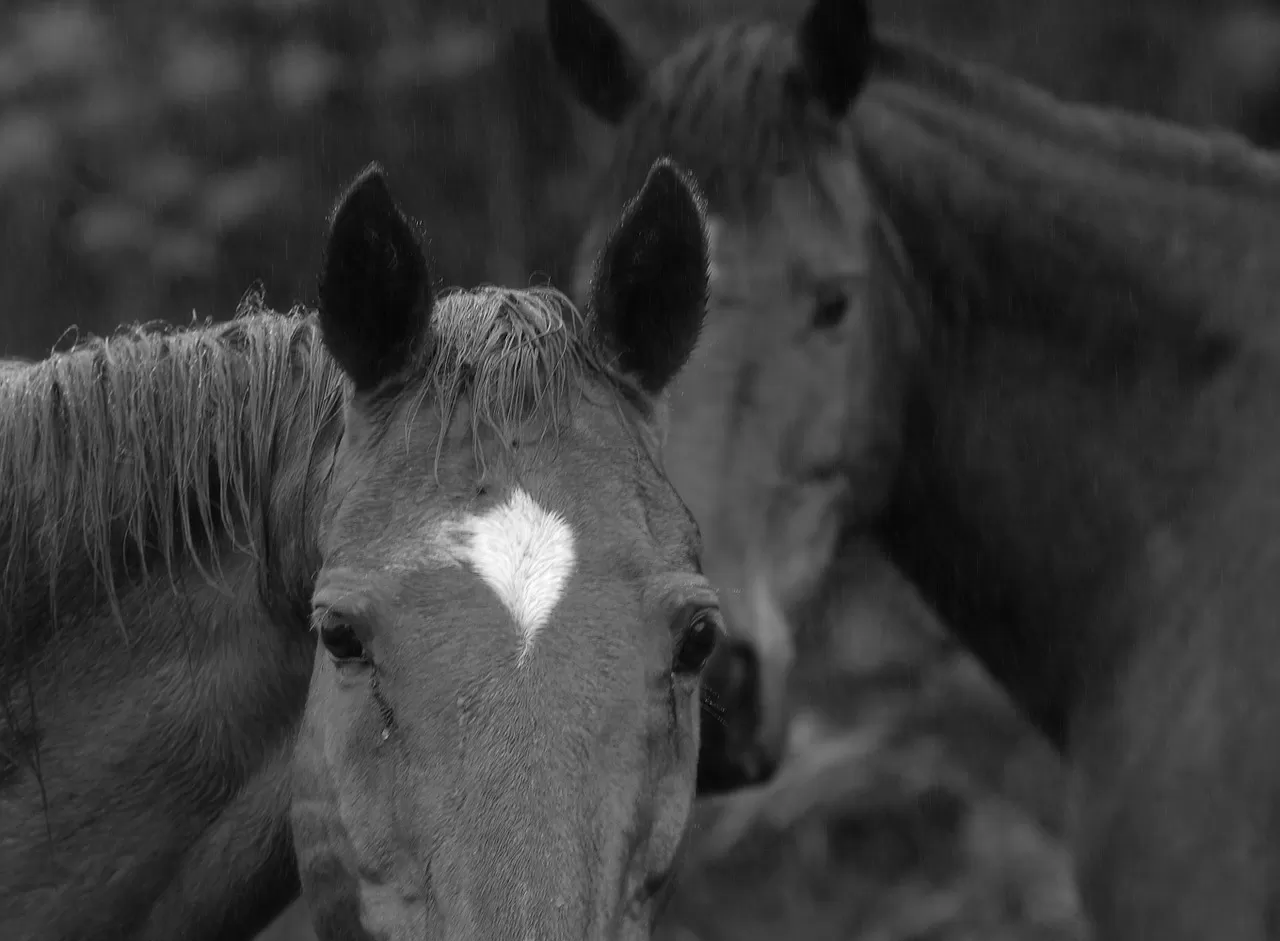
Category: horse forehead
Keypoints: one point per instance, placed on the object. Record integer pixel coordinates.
(523, 552)
(819, 217)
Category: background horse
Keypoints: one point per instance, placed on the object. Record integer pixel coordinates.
(1024, 347)
(439, 523)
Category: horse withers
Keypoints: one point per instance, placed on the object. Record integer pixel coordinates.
(1027, 350)
(436, 521)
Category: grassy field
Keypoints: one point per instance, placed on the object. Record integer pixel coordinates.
(158, 158)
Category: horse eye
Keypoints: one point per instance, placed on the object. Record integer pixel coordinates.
(696, 643)
(829, 310)
(341, 642)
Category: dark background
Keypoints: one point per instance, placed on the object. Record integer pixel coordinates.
(157, 158)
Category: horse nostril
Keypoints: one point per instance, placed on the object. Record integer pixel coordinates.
(744, 670)
(734, 677)
(733, 755)
(763, 766)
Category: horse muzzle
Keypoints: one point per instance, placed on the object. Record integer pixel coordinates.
(736, 751)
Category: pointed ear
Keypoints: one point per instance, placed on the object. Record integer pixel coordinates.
(834, 48)
(375, 291)
(603, 72)
(649, 291)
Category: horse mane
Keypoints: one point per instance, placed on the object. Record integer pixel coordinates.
(1214, 157)
(158, 440)
(721, 105)
(1125, 238)
(1112, 213)
(725, 104)
(515, 355)
(144, 446)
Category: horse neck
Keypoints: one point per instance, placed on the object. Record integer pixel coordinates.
(1072, 301)
(205, 454)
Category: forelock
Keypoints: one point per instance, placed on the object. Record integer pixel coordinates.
(722, 106)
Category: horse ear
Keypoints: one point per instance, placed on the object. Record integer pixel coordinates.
(375, 290)
(649, 291)
(605, 75)
(834, 45)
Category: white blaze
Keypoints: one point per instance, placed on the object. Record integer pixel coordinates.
(524, 553)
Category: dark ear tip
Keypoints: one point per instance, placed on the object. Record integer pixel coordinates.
(605, 75)
(835, 47)
(372, 173)
(557, 11)
(368, 188)
(670, 182)
(649, 290)
(837, 20)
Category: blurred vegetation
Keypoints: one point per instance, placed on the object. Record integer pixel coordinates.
(158, 158)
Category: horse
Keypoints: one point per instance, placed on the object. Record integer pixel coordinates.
(1024, 350)
(389, 600)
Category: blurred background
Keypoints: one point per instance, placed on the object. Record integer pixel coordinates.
(159, 158)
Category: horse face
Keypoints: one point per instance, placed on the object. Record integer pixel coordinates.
(501, 734)
(773, 442)
(767, 428)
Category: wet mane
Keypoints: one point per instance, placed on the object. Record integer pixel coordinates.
(514, 355)
(133, 452)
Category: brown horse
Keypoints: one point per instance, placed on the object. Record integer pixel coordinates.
(1026, 348)
(438, 523)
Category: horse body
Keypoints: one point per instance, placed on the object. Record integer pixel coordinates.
(146, 790)
(391, 601)
(1086, 402)
(1087, 483)
(1036, 341)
